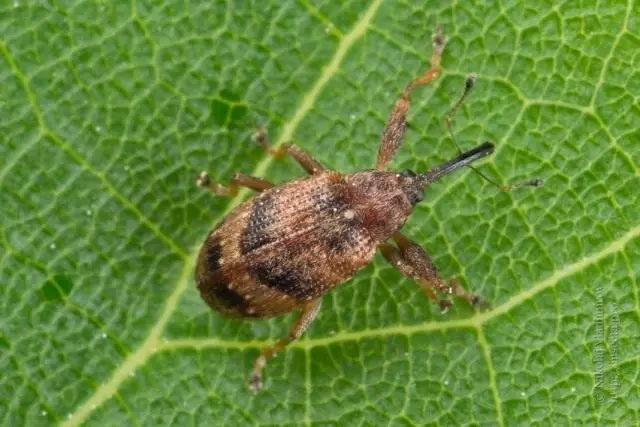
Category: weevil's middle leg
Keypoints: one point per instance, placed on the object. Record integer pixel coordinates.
(304, 159)
(412, 260)
(238, 180)
(309, 312)
(397, 123)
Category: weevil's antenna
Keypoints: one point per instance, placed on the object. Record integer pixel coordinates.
(464, 159)
(469, 84)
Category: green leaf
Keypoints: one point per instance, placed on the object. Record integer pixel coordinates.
(108, 110)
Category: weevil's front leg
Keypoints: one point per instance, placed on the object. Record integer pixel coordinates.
(309, 312)
(412, 260)
(238, 180)
(397, 123)
(303, 158)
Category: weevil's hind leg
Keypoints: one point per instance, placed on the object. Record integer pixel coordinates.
(303, 158)
(412, 260)
(469, 84)
(397, 123)
(309, 312)
(238, 180)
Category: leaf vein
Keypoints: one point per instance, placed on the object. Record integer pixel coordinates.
(486, 350)
(153, 342)
(45, 131)
(614, 46)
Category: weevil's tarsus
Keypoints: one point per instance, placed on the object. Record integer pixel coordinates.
(439, 39)
(304, 159)
(535, 182)
(261, 136)
(309, 312)
(238, 180)
(413, 261)
(469, 84)
(397, 123)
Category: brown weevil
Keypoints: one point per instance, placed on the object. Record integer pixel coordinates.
(285, 248)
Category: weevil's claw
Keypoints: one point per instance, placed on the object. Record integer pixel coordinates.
(203, 179)
(479, 303)
(439, 39)
(259, 136)
(255, 383)
(476, 301)
(470, 81)
(445, 305)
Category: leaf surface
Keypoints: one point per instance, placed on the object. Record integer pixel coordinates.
(110, 110)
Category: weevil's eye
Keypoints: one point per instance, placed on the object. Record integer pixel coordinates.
(407, 173)
(415, 196)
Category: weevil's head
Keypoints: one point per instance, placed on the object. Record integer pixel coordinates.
(413, 184)
(385, 199)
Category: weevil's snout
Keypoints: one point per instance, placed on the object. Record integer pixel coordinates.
(411, 187)
(459, 162)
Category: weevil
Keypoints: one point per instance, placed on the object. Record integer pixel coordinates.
(285, 248)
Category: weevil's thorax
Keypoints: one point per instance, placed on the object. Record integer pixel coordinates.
(381, 200)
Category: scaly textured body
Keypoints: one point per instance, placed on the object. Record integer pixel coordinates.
(288, 246)
(293, 243)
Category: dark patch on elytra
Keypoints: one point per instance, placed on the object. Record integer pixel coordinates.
(214, 252)
(258, 231)
(342, 239)
(228, 297)
(276, 276)
(327, 202)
